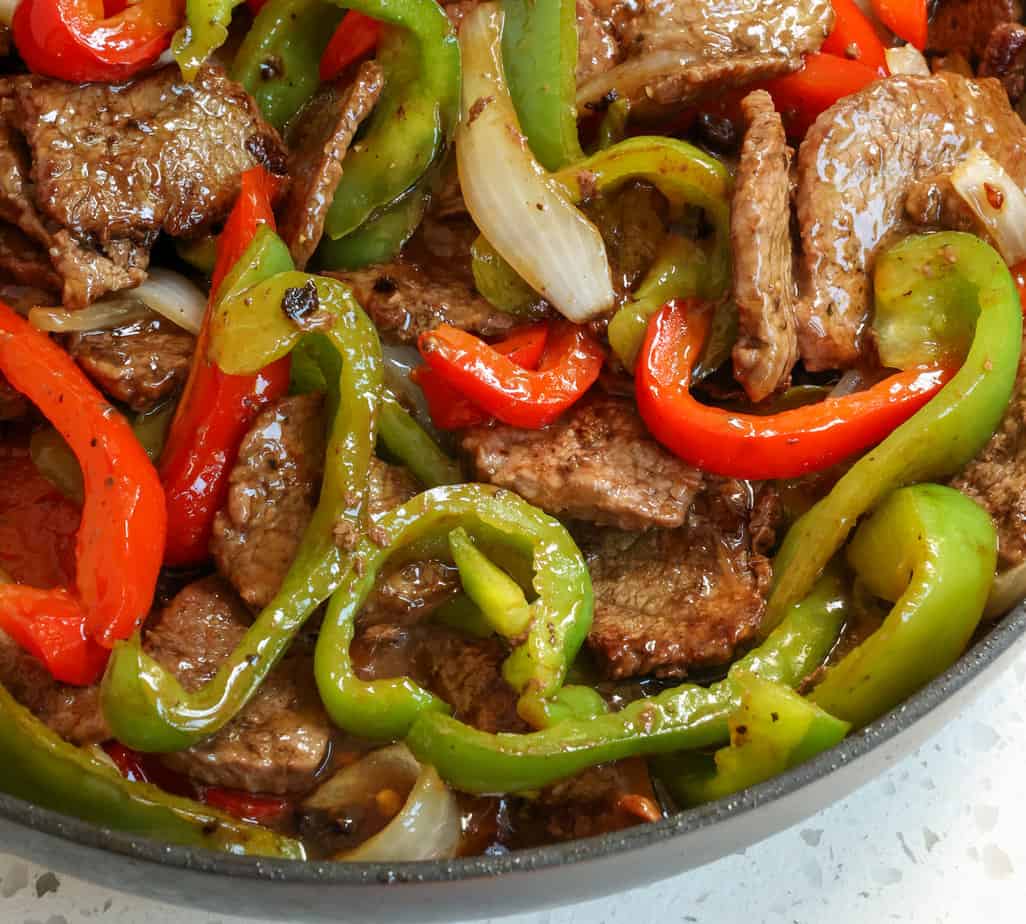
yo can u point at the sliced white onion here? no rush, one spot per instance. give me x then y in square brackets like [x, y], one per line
[1008, 589]
[175, 297]
[113, 311]
[518, 207]
[7, 8]
[907, 59]
[996, 200]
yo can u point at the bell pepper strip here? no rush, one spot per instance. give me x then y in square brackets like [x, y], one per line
[408, 442]
[560, 616]
[783, 445]
[684, 717]
[854, 37]
[204, 31]
[907, 19]
[76, 40]
[573, 701]
[452, 411]
[613, 127]
[43, 769]
[277, 61]
[500, 284]
[355, 38]
[823, 80]
[772, 730]
[935, 275]
[1019, 277]
[146, 706]
[520, 397]
[539, 54]
[121, 535]
[932, 552]
[500, 599]
[216, 410]
[246, 806]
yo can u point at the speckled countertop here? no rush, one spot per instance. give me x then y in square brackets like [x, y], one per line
[941, 837]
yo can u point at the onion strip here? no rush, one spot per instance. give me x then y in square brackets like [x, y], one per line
[996, 200]
[522, 211]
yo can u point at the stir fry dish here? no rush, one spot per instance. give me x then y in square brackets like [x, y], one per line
[428, 431]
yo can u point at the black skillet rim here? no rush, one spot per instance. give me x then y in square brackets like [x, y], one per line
[968, 668]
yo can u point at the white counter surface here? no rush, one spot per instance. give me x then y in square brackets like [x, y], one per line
[941, 837]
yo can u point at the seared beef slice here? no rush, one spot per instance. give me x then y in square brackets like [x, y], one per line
[858, 167]
[964, 26]
[279, 741]
[596, 463]
[668, 601]
[112, 166]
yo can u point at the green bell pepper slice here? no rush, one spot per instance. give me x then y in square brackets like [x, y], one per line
[42, 768]
[938, 275]
[205, 30]
[688, 716]
[560, 616]
[146, 706]
[500, 599]
[409, 443]
[932, 552]
[539, 56]
[772, 730]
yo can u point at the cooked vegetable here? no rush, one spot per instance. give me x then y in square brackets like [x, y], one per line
[996, 200]
[112, 311]
[782, 445]
[356, 36]
[559, 617]
[907, 59]
[907, 19]
[408, 442]
[931, 551]
[940, 276]
[685, 717]
[854, 37]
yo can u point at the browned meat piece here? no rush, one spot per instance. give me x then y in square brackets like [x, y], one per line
[281, 739]
[964, 27]
[138, 364]
[760, 234]
[597, 463]
[677, 51]
[856, 167]
[667, 601]
[597, 48]
[1005, 58]
[23, 261]
[73, 712]
[404, 300]
[272, 493]
[324, 130]
[465, 672]
[996, 478]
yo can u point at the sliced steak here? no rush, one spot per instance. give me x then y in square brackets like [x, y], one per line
[597, 47]
[24, 261]
[964, 27]
[73, 712]
[857, 166]
[1005, 58]
[322, 135]
[760, 235]
[138, 364]
[996, 478]
[405, 300]
[675, 51]
[668, 601]
[465, 672]
[596, 463]
[281, 739]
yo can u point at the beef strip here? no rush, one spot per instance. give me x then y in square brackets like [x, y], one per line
[94, 172]
[465, 672]
[404, 300]
[139, 364]
[596, 463]
[322, 134]
[760, 235]
[856, 168]
[668, 601]
[281, 739]
[72, 712]
[1005, 58]
[996, 478]
[964, 27]
[23, 261]
[675, 52]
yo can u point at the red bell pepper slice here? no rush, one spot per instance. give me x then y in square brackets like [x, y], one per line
[823, 80]
[120, 538]
[854, 37]
[783, 445]
[216, 410]
[77, 40]
[907, 19]
[356, 37]
[246, 805]
[451, 410]
[570, 365]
